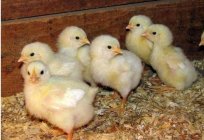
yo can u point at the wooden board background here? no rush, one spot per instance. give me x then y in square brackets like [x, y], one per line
[15, 9]
[184, 17]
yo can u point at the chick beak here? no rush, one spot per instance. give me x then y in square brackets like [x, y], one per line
[129, 27]
[117, 50]
[145, 34]
[34, 78]
[85, 41]
[22, 59]
[201, 43]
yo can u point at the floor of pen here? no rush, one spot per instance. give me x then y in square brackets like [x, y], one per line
[153, 110]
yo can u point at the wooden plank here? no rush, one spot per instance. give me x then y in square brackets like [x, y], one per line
[184, 17]
[13, 9]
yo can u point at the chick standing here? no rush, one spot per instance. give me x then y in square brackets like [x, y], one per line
[113, 67]
[73, 43]
[202, 40]
[64, 103]
[135, 42]
[171, 64]
[58, 63]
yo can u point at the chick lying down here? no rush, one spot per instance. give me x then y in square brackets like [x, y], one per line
[171, 64]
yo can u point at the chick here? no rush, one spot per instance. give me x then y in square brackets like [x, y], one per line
[64, 103]
[171, 64]
[113, 67]
[202, 40]
[135, 42]
[73, 42]
[58, 63]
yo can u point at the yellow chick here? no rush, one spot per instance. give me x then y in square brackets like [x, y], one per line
[58, 63]
[73, 42]
[135, 42]
[171, 64]
[202, 40]
[64, 103]
[113, 67]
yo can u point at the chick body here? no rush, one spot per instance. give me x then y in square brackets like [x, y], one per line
[135, 42]
[120, 72]
[171, 64]
[47, 98]
[72, 42]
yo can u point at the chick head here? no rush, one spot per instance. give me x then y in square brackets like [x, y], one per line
[37, 72]
[105, 46]
[72, 37]
[202, 40]
[159, 34]
[36, 51]
[139, 21]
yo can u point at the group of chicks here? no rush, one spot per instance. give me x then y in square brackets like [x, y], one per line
[54, 83]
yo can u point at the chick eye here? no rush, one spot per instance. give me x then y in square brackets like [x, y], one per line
[138, 25]
[154, 33]
[77, 37]
[42, 72]
[32, 54]
[109, 47]
[28, 73]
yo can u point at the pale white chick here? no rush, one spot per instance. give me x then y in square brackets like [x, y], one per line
[135, 42]
[171, 64]
[113, 67]
[58, 63]
[64, 103]
[202, 40]
[73, 43]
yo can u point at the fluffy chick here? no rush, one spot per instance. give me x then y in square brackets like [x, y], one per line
[113, 67]
[58, 63]
[171, 64]
[64, 103]
[72, 42]
[202, 40]
[135, 42]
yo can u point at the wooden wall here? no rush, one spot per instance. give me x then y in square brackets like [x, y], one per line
[42, 20]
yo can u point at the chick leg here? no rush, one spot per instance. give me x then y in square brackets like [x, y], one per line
[70, 135]
[122, 109]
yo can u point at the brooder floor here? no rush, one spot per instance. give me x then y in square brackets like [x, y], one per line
[153, 111]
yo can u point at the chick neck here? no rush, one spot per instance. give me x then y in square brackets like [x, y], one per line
[48, 57]
[69, 51]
